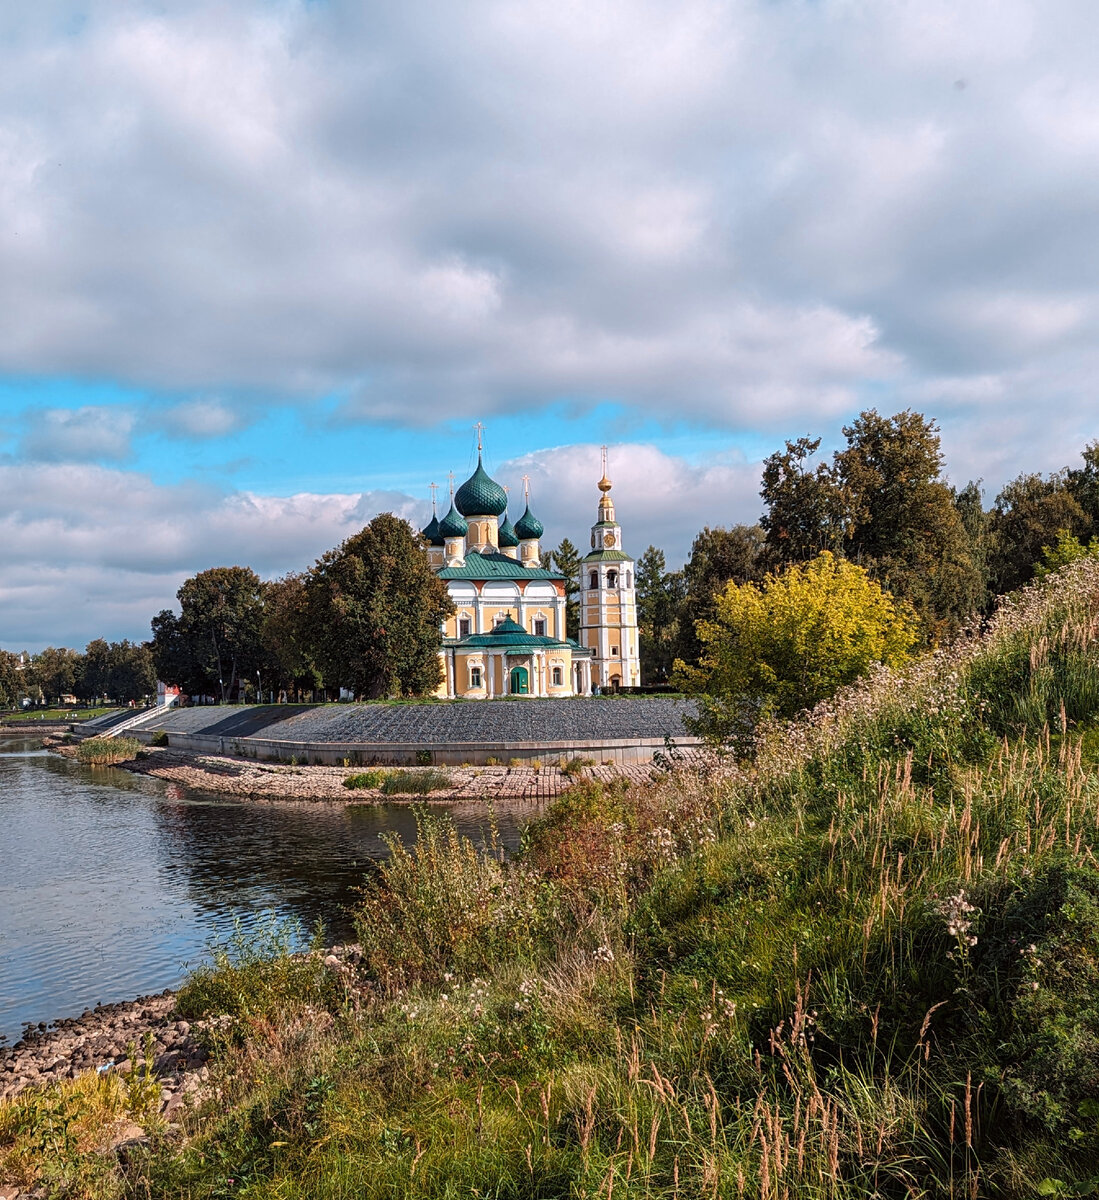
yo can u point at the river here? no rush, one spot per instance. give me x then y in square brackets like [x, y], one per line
[112, 884]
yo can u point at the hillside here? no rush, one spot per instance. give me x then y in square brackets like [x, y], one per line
[866, 965]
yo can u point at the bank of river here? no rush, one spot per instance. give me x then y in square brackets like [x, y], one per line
[111, 882]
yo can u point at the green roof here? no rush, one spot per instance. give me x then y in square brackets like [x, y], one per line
[453, 524]
[480, 495]
[606, 556]
[495, 566]
[431, 533]
[508, 635]
[528, 526]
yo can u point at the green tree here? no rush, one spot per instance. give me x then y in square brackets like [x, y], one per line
[660, 595]
[55, 671]
[95, 670]
[718, 556]
[807, 510]
[11, 677]
[214, 643]
[285, 636]
[1031, 512]
[566, 558]
[793, 640]
[904, 525]
[1067, 549]
[132, 674]
[375, 612]
[969, 505]
[1083, 484]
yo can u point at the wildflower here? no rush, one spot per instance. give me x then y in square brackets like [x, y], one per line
[603, 954]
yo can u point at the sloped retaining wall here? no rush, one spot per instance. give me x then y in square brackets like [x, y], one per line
[619, 751]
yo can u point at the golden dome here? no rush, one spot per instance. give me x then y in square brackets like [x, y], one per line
[604, 484]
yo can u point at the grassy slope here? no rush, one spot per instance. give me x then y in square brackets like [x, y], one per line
[868, 966]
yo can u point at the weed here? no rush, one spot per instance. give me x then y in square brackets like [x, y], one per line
[103, 751]
[374, 778]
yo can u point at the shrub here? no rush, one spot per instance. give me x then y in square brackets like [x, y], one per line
[574, 767]
[424, 758]
[160, 738]
[373, 778]
[102, 751]
[258, 972]
[414, 783]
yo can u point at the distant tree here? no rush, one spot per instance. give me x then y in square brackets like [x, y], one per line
[11, 677]
[132, 674]
[718, 556]
[969, 505]
[285, 635]
[375, 612]
[793, 640]
[904, 526]
[214, 643]
[94, 677]
[55, 670]
[806, 509]
[660, 595]
[1031, 512]
[1083, 484]
[566, 559]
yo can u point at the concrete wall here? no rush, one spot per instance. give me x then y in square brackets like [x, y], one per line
[619, 751]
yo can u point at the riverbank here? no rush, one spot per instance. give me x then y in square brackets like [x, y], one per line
[246, 779]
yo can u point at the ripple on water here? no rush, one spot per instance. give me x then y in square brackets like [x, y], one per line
[111, 882]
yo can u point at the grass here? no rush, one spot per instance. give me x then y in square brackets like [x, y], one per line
[863, 964]
[103, 751]
[57, 714]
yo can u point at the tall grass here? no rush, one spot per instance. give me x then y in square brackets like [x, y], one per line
[866, 964]
[103, 751]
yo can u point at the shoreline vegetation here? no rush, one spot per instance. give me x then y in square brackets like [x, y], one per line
[861, 962]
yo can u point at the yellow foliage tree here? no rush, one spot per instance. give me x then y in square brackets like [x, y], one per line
[794, 639]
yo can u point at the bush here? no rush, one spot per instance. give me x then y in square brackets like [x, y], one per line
[259, 973]
[102, 751]
[160, 738]
[365, 779]
[414, 783]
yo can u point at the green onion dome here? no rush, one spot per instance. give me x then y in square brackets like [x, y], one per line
[506, 535]
[528, 526]
[431, 533]
[481, 496]
[453, 525]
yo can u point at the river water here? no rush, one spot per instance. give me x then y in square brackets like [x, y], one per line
[111, 884]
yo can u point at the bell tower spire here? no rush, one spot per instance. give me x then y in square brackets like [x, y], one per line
[608, 604]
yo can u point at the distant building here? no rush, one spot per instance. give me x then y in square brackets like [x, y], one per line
[507, 636]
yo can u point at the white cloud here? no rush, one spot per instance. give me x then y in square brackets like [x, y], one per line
[203, 417]
[746, 213]
[77, 435]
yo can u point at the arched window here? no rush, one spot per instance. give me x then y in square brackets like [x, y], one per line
[612, 579]
[539, 626]
[474, 677]
[593, 581]
[464, 627]
[629, 579]
[556, 676]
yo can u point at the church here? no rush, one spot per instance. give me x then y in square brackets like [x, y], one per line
[507, 636]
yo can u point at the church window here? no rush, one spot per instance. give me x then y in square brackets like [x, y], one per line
[629, 580]
[556, 676]
[475, 677]
[593, 582]
[463, 627]
[540, 626]
[612, 579]
[614, 650]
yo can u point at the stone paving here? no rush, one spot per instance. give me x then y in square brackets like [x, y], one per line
[574, 720]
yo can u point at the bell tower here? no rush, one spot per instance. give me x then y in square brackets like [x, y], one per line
[608, 602]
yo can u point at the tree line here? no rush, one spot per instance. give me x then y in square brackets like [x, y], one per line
[116, 671]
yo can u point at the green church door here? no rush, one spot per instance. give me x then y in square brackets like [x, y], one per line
[520, 681]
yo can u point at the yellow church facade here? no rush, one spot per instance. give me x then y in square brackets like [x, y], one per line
[508, 636]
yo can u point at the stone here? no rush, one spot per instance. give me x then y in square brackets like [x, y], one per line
[127, 1135]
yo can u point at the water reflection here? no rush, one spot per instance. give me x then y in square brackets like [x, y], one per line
[110, 882]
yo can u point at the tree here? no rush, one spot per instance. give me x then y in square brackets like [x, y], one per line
[1067, 549]
[969, 505]
[1032, 511]
[806, 509]
[55, 670]
[11, 677]
[375, 612]
[214, 644]
[904, 525]
[718, 556]
[1083, 483]
[285, 635]
[132, 675]
[660, 595]
[793, 640]
[95, 671]
[566, 558]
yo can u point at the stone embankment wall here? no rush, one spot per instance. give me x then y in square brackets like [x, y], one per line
[607, 731]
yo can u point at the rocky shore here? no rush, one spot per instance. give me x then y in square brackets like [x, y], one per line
[247, 779]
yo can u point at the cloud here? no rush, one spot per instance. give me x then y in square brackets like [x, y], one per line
[749, 215]
[94, 551]
[203, 417]
[77, 435]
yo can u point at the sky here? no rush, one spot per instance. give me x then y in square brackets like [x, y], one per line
[264, 263]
